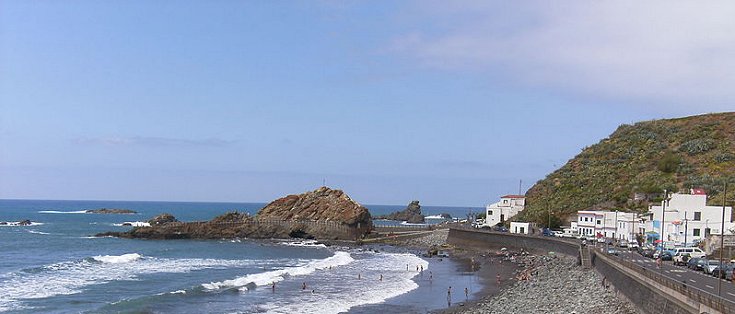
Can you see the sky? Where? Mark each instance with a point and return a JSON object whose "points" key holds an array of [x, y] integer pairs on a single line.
{"points": [[449, 103]]}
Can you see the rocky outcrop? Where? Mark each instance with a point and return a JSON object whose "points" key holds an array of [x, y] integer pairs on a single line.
{"points": [[321, 214], [24, 222], [110, 211], [411, 214], [162, 219]]}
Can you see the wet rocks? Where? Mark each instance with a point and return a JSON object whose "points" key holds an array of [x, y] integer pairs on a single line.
{"points": [[162, 219], [110, 211]]}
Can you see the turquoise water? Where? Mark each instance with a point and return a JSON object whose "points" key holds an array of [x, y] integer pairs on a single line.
{"points": [[56, 265]]}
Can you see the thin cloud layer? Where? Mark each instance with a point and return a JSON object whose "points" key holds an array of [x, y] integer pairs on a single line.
{"points": [[153, 141], [672, 52]]}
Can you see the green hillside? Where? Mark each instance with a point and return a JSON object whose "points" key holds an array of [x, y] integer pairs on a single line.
{"points": [[644, 158]]}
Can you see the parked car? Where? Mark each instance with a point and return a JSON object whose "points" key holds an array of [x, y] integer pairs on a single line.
{"points": [[710, 266], [693, 263], [547, 232], [569, 235], [647, 253], [692, 251], [701, 263], [623, 243], [558, 234], [666, 255], [722, 272], [729, 272], [681, 259], [613, 251]]}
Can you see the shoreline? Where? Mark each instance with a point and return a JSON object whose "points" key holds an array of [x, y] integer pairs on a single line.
{"points": [[552, 283]]}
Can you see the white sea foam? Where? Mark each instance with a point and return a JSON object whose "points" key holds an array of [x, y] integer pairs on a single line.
{"points": [[434, 217], [266, 278], [62, 212], [406, 223], [133, 224], [37, 232], [71, 277], [116, 259], [344, 293], [305, 243]]}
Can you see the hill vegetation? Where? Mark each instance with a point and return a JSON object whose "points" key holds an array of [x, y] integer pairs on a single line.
{"points": [[633, 166]]}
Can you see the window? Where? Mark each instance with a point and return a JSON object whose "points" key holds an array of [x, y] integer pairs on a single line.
{"points": [[695, 232], [489, 212], [697, 216], [580, 218], [598, 221], [585, 219], [505, 201], [523, 230]]}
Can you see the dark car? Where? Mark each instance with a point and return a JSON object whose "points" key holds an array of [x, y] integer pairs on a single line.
{"points": [[692, 263], [647, 253], [666, 255], [500, 229], [722, 274]]}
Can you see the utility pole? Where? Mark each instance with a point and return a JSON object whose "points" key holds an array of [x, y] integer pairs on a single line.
{"points": [[616, 228], [663, 218], [686, 228], [722, 236]]}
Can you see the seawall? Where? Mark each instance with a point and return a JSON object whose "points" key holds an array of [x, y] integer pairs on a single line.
{"points": [[650, 292]]}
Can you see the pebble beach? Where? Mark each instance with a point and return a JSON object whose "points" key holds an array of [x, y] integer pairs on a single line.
{"points": [[530, 283]]}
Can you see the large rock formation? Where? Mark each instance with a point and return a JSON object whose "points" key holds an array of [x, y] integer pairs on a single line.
{"points": [[411, 214], [320, 214]]}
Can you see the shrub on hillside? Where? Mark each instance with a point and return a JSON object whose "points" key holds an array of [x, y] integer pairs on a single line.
{"points": [[696, 146]]}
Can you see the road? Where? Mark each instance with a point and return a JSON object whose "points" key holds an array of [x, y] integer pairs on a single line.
{"points": [[692, 278]]}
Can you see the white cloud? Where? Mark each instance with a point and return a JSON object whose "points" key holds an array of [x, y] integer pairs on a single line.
{"points": [[654, 51]]}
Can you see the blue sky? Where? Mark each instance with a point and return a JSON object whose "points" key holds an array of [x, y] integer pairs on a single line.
{"points": [[450, 104]]}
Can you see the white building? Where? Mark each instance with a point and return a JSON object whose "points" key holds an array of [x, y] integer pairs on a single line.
{"points": [[508, 206], [522, 227], [609, 224], [688, 218], [573, 229]]}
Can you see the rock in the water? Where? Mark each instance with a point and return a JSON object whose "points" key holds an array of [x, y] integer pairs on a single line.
{"points": [[111, 211], [162, 219], [411, 214], [321, 214], [25, 222]]}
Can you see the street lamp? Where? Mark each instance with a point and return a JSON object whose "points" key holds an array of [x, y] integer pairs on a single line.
{"points": [[663, 218], [686, 228], [722, 236]]}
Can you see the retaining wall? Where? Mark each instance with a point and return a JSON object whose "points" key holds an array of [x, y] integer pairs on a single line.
{"points": [[650, 292]]}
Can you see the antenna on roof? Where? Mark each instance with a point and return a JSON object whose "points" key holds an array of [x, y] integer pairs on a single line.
{"points": [[519, 186]]}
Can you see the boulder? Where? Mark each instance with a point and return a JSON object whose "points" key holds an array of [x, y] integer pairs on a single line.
{"points": [[25, 222], [162, 219]]}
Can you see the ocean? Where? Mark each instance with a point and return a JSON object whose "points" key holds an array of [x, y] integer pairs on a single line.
{"points": [[56, 265]]}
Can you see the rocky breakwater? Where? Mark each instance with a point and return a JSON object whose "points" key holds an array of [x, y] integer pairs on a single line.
{"points": [[412, 214], [321, 214]]}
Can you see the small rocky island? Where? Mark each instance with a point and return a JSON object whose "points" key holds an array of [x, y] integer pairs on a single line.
{"points": [[110, 211], [412, 214], [321, 214], [24, 222]]}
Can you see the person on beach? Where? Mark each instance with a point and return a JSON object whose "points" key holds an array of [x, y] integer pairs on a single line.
{"points": [[358, 276], [406, 267], [273, 287], [498, 278], [449, 296], [381, 277], [431, 276], [466, 294], [303, 286]]}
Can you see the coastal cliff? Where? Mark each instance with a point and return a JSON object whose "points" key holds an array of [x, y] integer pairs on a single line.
{"points": [[412, 214], [321, 214]]}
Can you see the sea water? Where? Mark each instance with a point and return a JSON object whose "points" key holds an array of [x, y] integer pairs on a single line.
{"points": [[57, 265]]}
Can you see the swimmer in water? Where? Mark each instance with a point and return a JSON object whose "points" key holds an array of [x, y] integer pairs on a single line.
{"points": [[303, 286]]}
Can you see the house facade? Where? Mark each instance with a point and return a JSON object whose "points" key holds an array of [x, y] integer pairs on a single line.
{"points": [[609, 224], [687, 218], [522, 227], [508, 206]]}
